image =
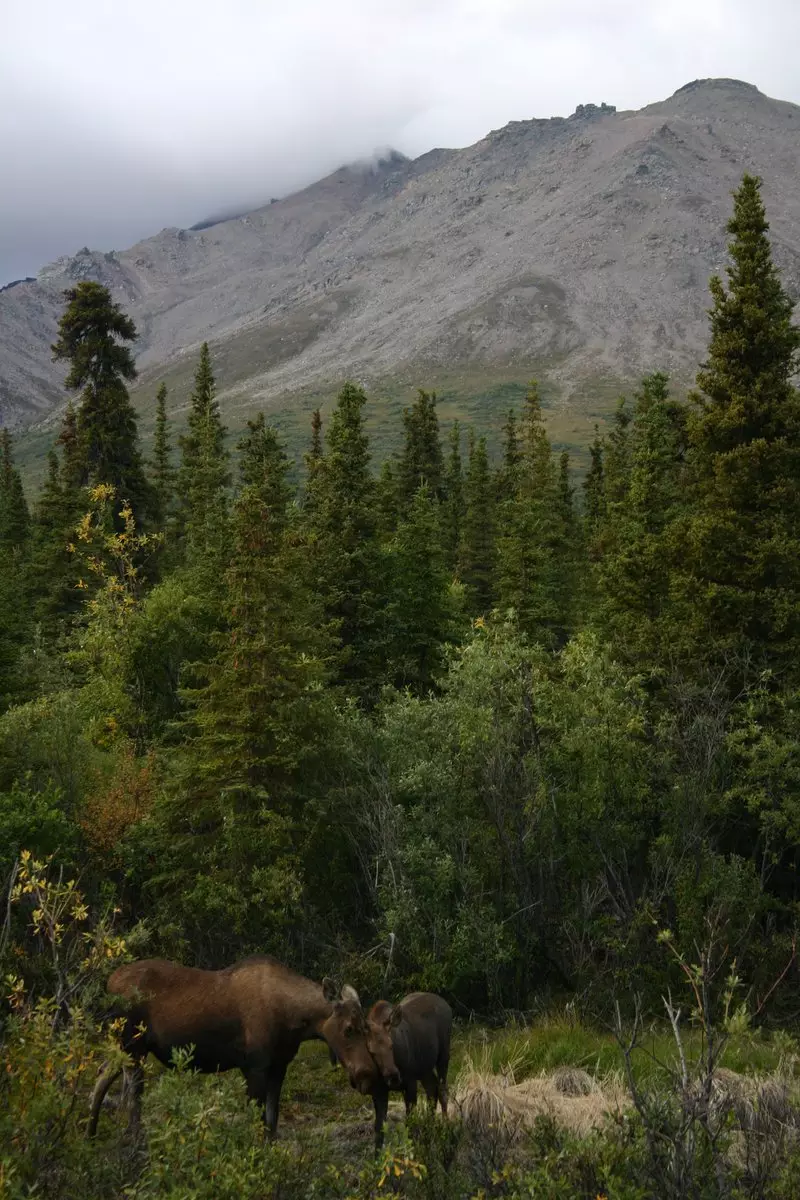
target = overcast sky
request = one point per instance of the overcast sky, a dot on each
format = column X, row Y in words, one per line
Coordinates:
column 118, row 117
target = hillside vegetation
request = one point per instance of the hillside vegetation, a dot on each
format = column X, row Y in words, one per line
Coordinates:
column 456, row 725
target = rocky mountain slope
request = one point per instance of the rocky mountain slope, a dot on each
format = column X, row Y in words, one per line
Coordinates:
column 579, row 247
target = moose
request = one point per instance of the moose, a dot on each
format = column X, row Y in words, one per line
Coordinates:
column 251, row 1016
column 409, row 1043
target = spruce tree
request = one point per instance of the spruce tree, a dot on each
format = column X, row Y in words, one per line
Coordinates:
column 535, row 533
column 387, row 499
column 63, row 500
column 477, row 552
column 15, row 625
column 162, row 472
column 342, row 522
column 14, row 514
column 507, row 477
column 453, row 507
column 204, row 476
column 313, row 460
column 255, row 725
column 633, row 577
column 738, row 555
column 92, row 333
column 420, row 615
column 594, row 497
column 421, row 458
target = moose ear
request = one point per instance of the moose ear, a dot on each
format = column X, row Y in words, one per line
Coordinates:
column 329, row 990
column 396, row 1017
column 350, row 993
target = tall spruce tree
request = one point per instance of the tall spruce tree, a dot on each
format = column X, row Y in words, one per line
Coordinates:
column 92, row 332
column 342, row 522
column 421, row 614
column 421, row 458
column 15, row 626
column 63, row 500
column 738, row 554
column 633, row 578
column 204, row 475
column 14, row 514
column 508, row 475
column 477, row 552
column 535, row 533
column 254, row 725
column 594, row 491
column 162, row 472
column 453, row 507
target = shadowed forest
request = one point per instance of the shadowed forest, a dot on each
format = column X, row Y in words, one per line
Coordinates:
column 441, row 723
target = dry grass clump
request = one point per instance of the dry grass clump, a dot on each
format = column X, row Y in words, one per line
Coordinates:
column 572, row 1081
column 568, row 1095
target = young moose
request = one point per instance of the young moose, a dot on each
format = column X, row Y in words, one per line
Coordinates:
column 251, row 1016
column 417, row 1046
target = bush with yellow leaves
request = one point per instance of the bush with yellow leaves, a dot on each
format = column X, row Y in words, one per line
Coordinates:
column 52, row 1046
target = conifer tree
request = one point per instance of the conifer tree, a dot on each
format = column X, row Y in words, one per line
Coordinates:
column 387, row 499
column 313, row 461
column 62, row 502
column 477, row 551
column 14, row 515
column 508, row 474
column 617, row 456
column 633, row 577
column 342, row 522
column 594, row 490
column 203, row 476
column 162, row 472
column 453, row 506
column 257, row 720
column 14, row 608
column 421, row 457
column 536, row 535
column 92, row 333
column 420, row 616
column 738, row 557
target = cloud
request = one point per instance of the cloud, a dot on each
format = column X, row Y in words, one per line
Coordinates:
column 119, row 118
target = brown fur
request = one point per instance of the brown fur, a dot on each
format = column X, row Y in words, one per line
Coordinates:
column 251, row 1016
column 414, row 1035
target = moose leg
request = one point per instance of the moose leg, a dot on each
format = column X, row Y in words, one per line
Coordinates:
column 431, row 1085
column 98, row 1096
column 135, row 1088
column 410, row 1094
column 274, row 1082
column 441, row 1070
column 380, row 1099
column 257, row 1089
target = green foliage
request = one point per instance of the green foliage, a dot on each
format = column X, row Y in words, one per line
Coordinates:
column 421, row 458
column 203, row 476
column 737, row 572
column 633, row 577
column 423, row 729
column 342, row 525
column 536, row 532
column 90, row 332
column 162, row 472
column 421, row 614
column 477, row 549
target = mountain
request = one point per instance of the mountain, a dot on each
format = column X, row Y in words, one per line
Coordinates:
column 577, row 247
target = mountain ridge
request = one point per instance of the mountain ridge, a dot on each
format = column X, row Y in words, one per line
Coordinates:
column 580, row 246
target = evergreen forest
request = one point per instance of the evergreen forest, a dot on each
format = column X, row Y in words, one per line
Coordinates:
column 439, row 723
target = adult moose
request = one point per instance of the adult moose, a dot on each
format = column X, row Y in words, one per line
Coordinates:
column 411, row 1038
column 251, row 1016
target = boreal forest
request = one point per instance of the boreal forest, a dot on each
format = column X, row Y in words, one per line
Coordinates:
column 490, row 727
